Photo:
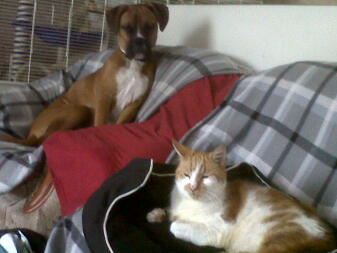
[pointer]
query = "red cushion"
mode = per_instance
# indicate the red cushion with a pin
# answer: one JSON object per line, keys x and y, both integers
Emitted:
{"x": 81, "y": 160}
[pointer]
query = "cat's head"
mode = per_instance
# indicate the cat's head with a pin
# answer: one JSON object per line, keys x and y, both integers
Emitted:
{"x": 201, "y": 175}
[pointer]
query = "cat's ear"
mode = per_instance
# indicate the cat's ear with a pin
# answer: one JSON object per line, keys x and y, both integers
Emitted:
{"x": 219, "y": 155}
{"x": 180, "y": 149}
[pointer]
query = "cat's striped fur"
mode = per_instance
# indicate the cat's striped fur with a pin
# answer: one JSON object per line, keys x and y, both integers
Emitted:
{"x": 239, "y": 216}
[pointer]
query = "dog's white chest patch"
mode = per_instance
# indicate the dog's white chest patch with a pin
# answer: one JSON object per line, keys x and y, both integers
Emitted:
{"x": 131, "y": 85}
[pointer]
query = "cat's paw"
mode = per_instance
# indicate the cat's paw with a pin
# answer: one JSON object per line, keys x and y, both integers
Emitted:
{"x": 191, "y": 232}
{"x": 157, "y": 215}
{"x": 179, "y": 229}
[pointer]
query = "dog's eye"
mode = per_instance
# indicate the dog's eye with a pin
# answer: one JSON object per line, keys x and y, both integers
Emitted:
{"x": 127, "y": 28}
{"x": 186, "y": 175}
{"x": 148, "y": 28}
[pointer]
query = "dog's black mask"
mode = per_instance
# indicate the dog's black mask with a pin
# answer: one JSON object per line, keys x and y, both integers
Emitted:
{"x": 138, "y": 49}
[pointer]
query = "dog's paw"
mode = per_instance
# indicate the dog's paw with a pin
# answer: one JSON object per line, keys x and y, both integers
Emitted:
{"x": 156, "y": 215}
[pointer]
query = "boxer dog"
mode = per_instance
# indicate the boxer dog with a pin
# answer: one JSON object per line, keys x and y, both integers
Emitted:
{"x": 115, "y": 92}
{"x": 119, "y": 88}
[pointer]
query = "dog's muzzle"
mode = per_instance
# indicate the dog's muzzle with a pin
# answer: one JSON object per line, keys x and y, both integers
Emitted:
{"x": 138, "y": 49}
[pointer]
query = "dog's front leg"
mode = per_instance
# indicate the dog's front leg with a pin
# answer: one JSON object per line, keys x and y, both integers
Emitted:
{"x": 102, "y": 110}
{"x": 130, "y": 112}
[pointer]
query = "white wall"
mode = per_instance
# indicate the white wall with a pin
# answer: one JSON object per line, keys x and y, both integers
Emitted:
{"x": 261, "y": 36}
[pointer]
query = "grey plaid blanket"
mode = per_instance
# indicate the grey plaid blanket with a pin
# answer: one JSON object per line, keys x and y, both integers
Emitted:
{"x": 20, "y": 104}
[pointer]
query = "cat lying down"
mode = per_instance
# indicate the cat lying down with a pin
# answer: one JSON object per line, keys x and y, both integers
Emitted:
{"x": 238, "y": 215}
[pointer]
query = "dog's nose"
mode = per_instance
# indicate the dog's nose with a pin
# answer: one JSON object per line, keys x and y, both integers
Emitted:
{"x": 139, "y": 41}
{"x": 140, "y": 49}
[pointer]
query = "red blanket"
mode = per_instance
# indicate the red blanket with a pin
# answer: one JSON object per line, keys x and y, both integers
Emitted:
{"x": 81, "y": 160}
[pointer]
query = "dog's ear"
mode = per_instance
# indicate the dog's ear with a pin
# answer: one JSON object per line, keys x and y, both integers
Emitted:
{"x": 113, "y": 16}
{"x": 161, "y": 12}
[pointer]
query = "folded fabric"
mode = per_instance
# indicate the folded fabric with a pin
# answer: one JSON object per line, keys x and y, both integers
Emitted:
{"x": 81, "y": 160}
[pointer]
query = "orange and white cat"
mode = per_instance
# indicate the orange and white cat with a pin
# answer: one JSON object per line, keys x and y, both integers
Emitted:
{"x": 239, "y": 216}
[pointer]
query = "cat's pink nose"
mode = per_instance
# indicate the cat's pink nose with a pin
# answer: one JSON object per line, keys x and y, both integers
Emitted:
{"x": 193, "y": 187}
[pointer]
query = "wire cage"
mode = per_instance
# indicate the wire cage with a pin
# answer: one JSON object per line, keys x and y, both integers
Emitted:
{"x": 39, "y": 37}
{"x": 42, "y": 36}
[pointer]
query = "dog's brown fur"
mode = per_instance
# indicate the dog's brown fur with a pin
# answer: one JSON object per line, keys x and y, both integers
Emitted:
{"x": 90, "y": 101}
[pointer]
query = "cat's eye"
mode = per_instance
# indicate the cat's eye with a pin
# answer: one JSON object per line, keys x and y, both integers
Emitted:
{"x": 186, "y": 175}
{"x": 204, "y": 177}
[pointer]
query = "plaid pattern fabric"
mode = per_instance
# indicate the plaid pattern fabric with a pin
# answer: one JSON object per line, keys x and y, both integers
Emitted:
{"x": 67, "y": 236}
{"x": 284, "y": 122}
{"x": 20, "y": 104}
{"x": 182, "y": 65}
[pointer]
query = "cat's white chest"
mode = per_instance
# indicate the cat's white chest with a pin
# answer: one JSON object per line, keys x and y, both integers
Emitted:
{"x": 188, "y": 209}
{"x": 196, "y": 212}
{"x": 131, "y": 85}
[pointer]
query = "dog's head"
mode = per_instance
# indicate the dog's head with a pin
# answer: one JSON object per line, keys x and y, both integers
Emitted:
{"x": 136, "y": 27}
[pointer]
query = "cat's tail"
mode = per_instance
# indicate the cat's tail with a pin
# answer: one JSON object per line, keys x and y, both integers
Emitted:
{"x": 317, "y": 248}
{"x": 302, "y": 245}
{"x": 323, "y": 245}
